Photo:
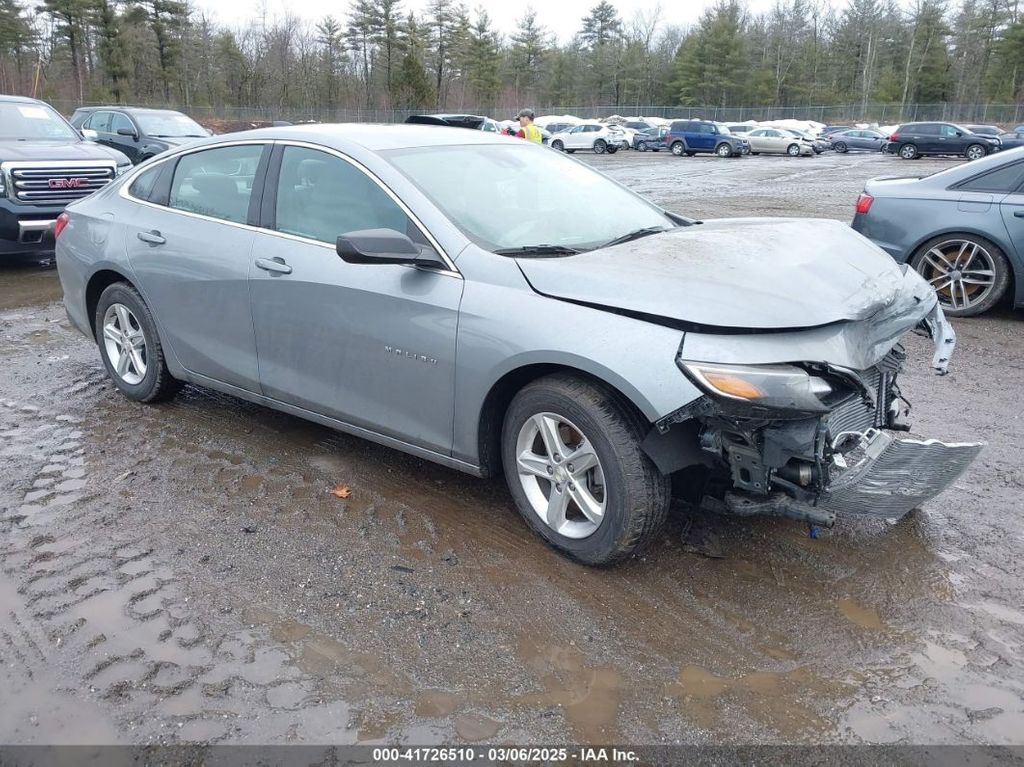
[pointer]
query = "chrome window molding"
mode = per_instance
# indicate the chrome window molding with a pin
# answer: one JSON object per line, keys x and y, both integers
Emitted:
{"x": 129, "y": 178}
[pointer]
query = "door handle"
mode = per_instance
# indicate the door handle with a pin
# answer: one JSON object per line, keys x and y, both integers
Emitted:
{"x": 1018, "y": 214}
{"x": 276, "y": 265}
{"x": 153, "y": 237}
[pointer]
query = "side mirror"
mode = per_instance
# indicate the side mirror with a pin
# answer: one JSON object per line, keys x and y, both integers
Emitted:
{"x": 384, "y": 246}
{"x": 128, "y": 132}
{"x": 89, "y": 134}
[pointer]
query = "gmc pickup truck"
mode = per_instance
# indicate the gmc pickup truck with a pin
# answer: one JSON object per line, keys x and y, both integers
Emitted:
{"x": 44, "y": 164}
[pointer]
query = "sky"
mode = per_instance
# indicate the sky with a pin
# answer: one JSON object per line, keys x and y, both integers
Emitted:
{"x": 561, "y": 17}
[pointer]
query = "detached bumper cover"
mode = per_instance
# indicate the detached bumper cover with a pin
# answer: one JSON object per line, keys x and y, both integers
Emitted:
{"x": 891, "y": 475}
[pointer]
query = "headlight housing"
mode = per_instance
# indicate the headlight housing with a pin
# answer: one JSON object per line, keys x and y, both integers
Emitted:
{"x": 784, "y": 387}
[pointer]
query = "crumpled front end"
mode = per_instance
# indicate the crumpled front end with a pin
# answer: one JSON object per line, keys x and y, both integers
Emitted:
{"x": 816, "y": 440}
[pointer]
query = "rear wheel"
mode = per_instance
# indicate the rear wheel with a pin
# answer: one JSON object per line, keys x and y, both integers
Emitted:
{"x": 975, "y": 152}
{"x": 723, "y": 150}
{"x": 575, "y": 468}
{"x": 969, "y": 273}
{"x": 558, "y": 145}
{"x": 908, "y": 152}
{"x": 840, "y": 146}
{"x": 600, "y": 146}
{"x": 642, "y": 146}
{"x": 678, "y": 148}
{"x": 129, "y": 345}
{"x": 793, "y": 150}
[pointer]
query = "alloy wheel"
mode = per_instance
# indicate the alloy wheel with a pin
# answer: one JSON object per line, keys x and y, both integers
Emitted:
{"x": 561, "y": 475}
{"x": 724, "y": 150}
{"x": 963, "y": 272}
{"x": 975, "y": 152}
{"x": 125, "y": 344}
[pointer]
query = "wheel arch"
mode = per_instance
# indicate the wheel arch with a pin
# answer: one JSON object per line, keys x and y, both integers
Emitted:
{"x": 498, "y": 398}
{"x": 99, "y": 281}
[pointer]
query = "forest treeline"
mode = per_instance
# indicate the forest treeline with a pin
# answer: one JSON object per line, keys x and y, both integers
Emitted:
{"x": 378, "y": 54}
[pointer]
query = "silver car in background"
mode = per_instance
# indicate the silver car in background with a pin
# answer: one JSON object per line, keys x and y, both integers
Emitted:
{"x": 484, "y": 303}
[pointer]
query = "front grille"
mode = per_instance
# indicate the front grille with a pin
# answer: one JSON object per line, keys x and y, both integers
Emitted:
{"x": 58, "y": 184}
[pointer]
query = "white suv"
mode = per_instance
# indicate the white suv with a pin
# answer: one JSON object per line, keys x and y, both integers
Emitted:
{"x": 593, "y": 136}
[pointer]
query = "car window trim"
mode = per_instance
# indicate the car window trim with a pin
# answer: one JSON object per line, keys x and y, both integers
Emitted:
{"x": 270, "y": 144}
{"x": 452, "y": 270}
{"x": 958, "y": 186}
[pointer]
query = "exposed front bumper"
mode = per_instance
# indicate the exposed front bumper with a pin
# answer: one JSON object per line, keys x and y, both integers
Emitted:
{"x": 26, "y": 230}
{"x": 894, "y": 475}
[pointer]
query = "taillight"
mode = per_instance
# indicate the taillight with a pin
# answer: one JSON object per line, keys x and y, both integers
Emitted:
{"x": 894, "y": 137}
{"x": 59, "y": 224}
{"x": 864, "y": 202}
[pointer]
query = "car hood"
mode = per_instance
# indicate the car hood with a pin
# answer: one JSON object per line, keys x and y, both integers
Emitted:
{"x": 753, "y": 274}
{"x": 22, "y": 151}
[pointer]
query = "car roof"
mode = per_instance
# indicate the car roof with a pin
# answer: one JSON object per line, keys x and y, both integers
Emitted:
{"x": 372, "y": 136}
{"x": 122, "y": 108}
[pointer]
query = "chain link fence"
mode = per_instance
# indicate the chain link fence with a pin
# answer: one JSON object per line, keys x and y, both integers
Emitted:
{"x": 883, "y": 114}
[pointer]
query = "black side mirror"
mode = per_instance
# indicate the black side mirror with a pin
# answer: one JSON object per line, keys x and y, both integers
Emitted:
{"x": 385, "y": 246}
{"x": 128, "y": 132}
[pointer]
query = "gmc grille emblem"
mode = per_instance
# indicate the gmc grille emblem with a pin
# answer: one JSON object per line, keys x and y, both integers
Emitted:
{"x": 67, "y": 183}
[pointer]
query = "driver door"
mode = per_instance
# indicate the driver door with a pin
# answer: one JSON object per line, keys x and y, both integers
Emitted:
{"x": 372, "y": 345}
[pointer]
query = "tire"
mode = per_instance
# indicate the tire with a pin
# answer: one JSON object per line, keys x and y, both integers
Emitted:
{"x": 841, "y": 147}
{"x": 908, "y": 152}
{"x": 570, "y": 151}
{"x": 678, "y": 148}
{"x": 613, "y": 149}
{"x": 959, "y": 299}
{"x": 558, "y": 145}
{"x": 975, "y": 152}
{"x": 642, "y": 146}
{"x": 634, "y": 494}
{"x": 723, "y": 150}
{"x": 600, "y": 146}
{"x": 119, "y": 305}
{"x": 690, "y": 153}
{"x": 793, "y": 150}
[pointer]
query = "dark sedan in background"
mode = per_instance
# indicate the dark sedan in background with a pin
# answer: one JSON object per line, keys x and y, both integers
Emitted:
{"x": 652, "y": 138}
{"x": 857, "y": 140}
{"x": 962, "y": 229}
{"x": 139, "y": 133}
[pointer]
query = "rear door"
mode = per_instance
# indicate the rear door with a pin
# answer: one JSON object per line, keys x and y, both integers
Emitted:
{"x": 1011, "y": 209}
{"x": 190, "y": 243}
{"x": 372, "y": 345}
{"x": 927, "y": 138}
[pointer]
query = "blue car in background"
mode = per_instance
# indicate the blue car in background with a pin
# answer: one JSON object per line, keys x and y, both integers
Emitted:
{"x": 652, "y": 139}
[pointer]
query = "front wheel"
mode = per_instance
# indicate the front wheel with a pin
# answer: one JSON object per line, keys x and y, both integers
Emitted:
{"x": 575, "y": 468}
{"x": 129, "y": 345}
{"x": 723, "y": 150}
{"x": 975, "y": 152}
{"x": 678, "y": 148}
{"x": 558, "y": 145}
{"x": 840, "y": 146}
{"x": 600, "y": 146}
{"x": 793, "y": 150}
{"x": 969, "y": 273}
{"x": 642, "y": 146}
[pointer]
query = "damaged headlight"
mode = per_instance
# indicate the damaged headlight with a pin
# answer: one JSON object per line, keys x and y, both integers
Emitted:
{"x": 784, "y": 387}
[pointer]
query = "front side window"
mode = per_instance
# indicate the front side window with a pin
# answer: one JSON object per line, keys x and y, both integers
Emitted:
{"x": 321, "y": 196}
{"x": 950, "y": 131}
{"x": 120, "y": 122}
{"x": 216, "y": 182}
{"x": 510, "y": 196}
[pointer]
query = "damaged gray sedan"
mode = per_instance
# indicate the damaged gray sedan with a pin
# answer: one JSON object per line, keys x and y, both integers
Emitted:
{"x": 499, "y": 308}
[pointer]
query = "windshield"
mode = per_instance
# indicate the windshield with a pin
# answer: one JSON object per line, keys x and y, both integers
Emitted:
{"x": 168, "y": 124}
{"x": 512, "y": 196}
{"x": 33, "y": 122}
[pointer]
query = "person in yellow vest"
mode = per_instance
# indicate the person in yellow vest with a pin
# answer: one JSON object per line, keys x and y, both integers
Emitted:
{"x": 527, "y": 129}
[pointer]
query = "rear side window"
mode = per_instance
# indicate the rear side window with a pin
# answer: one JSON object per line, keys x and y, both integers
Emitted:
{"x": 1006, "y": 179}
{"x": 100, "y": 122}
{"x": 143, "y": 186}
{"x": 216, "y": 182}
{"x": 678, "y": 127}
{"x": 925, "y": 129}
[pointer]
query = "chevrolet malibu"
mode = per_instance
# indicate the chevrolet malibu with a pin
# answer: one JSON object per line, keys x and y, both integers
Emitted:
{"x": 492, "y": 306}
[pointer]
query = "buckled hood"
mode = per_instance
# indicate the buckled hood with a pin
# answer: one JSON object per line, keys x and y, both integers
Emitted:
{"x": 754, "y": 273}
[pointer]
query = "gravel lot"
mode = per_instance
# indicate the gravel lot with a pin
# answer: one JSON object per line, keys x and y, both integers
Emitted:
{"x": 181, "y": 572}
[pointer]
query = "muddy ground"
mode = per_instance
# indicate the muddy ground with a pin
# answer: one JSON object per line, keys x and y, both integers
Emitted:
{"x": 181, "y": 572}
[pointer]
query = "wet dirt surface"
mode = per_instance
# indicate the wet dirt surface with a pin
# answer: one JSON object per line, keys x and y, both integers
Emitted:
{"x": 181, "y": 572}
